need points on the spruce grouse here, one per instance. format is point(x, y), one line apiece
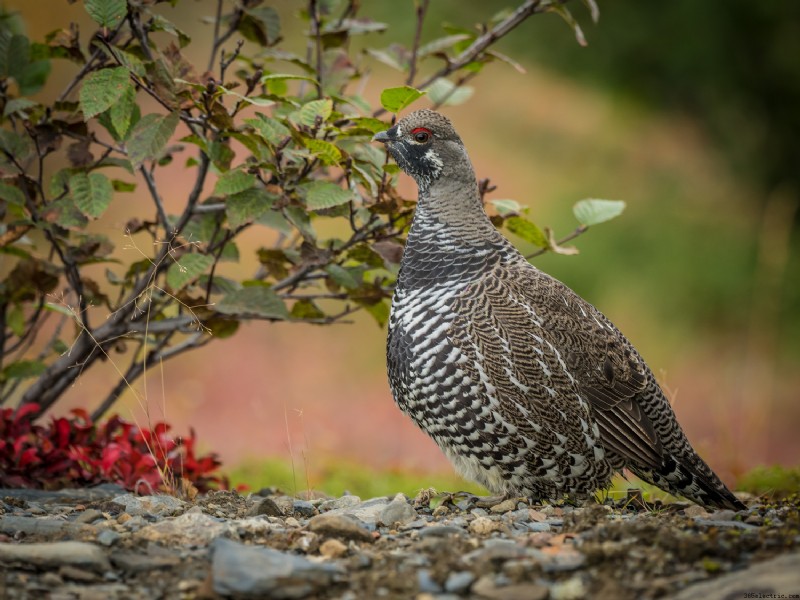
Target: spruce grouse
point(526, 387)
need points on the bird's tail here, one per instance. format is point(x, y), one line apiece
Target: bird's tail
point(693, 479)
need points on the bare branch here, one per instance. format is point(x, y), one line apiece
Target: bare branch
point(422, 8)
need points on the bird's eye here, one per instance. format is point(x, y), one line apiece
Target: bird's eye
point(421, 135)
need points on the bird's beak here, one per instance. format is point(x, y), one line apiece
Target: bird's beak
point(384, 136)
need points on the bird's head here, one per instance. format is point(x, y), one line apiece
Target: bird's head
point(425, 146)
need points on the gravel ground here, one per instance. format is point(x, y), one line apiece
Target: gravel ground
point(104, 543)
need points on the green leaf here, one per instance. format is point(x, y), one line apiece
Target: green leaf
point(92, 193)
point(12, 194)
point(443, 43)
point(233, 182)
point(327, 152)
point(15, 319)
point(506, 207)
point(272, 130)
point(308, 113)
point(342, 276)
point(306, 309)
point(379, 312)
point(564, 13)
point(122, 112)
point(593, 211)
point(13, 144)
point(107, 13)
point(324, 194)
point(397, 98)
point(443, 91)
point(18, 106)
point(188, 268)
point(527, 230)
point(159, 23)
point(102, 89)
point(298, 217)
point(256, 301)
point(149, 136)
point(23, 369)
point(123, 186)
point(254, 100)
point(261, 25)
point(247, 206)
point(285, 76)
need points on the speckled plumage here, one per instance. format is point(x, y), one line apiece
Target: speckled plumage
point(526, 387)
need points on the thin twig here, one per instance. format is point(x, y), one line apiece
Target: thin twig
point(481, 43)
point(151, 186)
point(422, 8)
point(313, 10)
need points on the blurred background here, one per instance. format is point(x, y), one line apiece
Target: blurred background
point(687, 111)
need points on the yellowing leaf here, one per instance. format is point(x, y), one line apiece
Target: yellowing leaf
point(327, 152)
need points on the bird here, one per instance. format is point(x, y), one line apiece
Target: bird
point(527, 388)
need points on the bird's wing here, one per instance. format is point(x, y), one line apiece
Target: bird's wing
point(605, 368)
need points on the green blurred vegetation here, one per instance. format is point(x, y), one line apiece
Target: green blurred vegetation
point(774, 482)
point(337, 476)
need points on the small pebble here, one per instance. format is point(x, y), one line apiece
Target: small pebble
point(332, 548)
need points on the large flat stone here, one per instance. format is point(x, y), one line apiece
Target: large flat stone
point(775, 578)
point(56, 554)
point(245, 571)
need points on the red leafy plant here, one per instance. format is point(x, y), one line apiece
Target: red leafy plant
point(74, 451)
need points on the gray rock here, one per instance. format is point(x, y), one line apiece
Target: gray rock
point(340, 526)
point(193, 528)
point(368, 511)
point(136, 562)
point(538, 526)
point(769, 579)
point(161, 505)
point(266, 506)
point(66, 496)
point(487, 587)
point(56, 554)
point(426, 582)
point(304, 509)
point(397, 511)
point(89, 516)
point(339, 503)
point(459, 582)
point(254, 572)
point(721, 515)
point(134, 523)
point(441, 531)
point(504, 506)
point(725, 524)
point(11, 525)
point(107, 537)
point(79, 575)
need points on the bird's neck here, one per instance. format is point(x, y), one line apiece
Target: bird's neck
point(451, 237)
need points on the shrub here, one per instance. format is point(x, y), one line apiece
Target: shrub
point(75, 451)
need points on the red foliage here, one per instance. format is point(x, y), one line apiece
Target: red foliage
point(74, 451)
